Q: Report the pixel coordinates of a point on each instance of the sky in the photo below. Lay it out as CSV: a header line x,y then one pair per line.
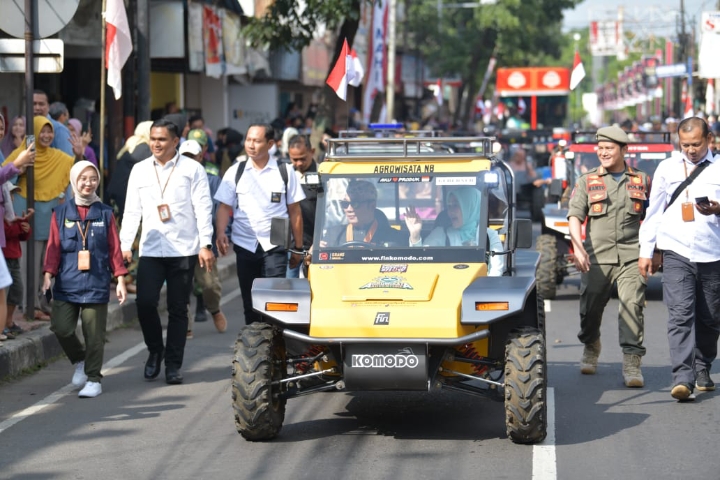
x,y
636,11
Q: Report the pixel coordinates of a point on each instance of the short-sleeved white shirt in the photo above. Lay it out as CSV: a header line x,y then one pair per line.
x,y
252,201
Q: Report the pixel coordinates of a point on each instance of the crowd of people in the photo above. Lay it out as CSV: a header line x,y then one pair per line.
x,y
180,196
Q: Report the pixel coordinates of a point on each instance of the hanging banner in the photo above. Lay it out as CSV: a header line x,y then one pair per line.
x,y
708,66
377,61
196,50
233,45
212,35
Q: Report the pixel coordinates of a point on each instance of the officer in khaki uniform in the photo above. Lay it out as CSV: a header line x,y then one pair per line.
x,y
612,198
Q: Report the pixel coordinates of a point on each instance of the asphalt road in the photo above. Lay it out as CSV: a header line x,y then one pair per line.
x,y
149,430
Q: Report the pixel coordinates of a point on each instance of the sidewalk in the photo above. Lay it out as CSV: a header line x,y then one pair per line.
x,y
38,344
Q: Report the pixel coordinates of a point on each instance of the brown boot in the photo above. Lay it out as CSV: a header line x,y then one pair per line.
x,y
589,361
220,321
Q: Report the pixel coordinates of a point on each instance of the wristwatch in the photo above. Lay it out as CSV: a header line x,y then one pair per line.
x,y
208,246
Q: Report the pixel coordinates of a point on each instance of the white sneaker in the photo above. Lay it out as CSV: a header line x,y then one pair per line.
x,y
90,390
79,377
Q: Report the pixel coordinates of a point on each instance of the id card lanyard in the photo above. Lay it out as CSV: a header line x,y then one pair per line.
x,y
687,207
164,208
84,254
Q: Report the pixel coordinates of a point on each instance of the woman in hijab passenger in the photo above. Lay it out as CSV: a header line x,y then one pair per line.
x,y
83,254
52,177
463,210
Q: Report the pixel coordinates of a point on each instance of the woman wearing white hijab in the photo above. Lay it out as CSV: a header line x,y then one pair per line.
x,y
83,254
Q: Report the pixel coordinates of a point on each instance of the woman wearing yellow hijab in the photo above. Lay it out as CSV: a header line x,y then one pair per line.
x,y
52,177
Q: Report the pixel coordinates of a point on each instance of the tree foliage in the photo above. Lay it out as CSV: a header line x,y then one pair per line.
x,y
292,24
462,40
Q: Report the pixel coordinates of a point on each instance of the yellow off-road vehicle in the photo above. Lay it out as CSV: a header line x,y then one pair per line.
x,y
414,284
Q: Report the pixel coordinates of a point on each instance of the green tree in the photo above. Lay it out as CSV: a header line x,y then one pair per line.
x,y
518,32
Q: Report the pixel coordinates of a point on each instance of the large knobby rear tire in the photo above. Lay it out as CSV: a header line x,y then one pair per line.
x,y
526,386
546,275
258,362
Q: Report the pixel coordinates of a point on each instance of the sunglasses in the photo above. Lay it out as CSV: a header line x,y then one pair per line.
x,y
355,203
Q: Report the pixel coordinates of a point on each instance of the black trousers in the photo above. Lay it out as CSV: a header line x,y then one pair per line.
x,y
258,264
177,272
692,295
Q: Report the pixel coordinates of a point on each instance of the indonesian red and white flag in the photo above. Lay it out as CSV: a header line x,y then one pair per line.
x,y
578,71
118,43
342,72
359,70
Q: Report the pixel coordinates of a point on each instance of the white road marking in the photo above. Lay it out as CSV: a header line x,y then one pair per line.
x,y
544,459
548,306
109,365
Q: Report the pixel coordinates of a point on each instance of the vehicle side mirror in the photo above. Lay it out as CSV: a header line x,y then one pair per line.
x,y
280,232
523,233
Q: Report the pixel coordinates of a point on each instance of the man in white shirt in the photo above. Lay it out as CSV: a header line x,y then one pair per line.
x,y
262,192
685,236
170,194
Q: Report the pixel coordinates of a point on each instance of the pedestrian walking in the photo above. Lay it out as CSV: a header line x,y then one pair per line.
x,y
17,229
82,255
681,232
612,198
169,193
252,192
301,156
208,289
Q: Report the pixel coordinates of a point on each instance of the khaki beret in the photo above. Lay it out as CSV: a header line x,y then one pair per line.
x,y
612,133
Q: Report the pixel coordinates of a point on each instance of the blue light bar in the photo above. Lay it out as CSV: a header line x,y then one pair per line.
x,y
386,126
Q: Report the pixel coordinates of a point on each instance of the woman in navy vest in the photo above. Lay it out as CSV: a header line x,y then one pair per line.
x,y
83,254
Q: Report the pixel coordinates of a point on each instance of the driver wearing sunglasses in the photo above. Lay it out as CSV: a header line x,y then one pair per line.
x,y
366,225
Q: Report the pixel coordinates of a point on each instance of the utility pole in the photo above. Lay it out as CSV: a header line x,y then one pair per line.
x,y
390,89
143,60
30,31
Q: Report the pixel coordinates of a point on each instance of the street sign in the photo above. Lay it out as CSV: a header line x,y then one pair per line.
x,y
666,71
52,16
48,55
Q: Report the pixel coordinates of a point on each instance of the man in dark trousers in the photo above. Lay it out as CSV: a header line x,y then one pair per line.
x,y
682,231
301,155
612,200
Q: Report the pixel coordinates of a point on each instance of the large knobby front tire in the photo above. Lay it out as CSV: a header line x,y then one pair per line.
x,y
258,362
546,275
526,386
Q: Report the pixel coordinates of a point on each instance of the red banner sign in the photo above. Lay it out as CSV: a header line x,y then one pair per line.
x,y
532,81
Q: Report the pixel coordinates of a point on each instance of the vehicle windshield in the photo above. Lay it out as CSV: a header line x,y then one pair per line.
x,y
372,217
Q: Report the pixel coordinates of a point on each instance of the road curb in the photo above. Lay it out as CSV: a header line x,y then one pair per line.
x,y
40,345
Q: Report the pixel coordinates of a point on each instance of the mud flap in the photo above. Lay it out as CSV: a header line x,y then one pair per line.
x,y
385,367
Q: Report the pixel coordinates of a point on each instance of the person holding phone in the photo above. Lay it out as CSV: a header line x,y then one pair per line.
x,y
52,177
83,254
682,233
12,167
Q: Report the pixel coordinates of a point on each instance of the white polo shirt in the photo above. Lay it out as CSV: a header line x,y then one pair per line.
x,y
258,197
187,196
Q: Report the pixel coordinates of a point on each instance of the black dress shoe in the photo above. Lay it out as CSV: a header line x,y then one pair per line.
x,y
173,376
153,365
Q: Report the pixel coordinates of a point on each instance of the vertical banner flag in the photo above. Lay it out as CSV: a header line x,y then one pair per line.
x,y
212,34
578,71
359,70
376,54
118,45
342,73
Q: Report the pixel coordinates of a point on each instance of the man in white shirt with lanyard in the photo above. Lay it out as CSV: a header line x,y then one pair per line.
x,y
170,194
261,192
682,231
